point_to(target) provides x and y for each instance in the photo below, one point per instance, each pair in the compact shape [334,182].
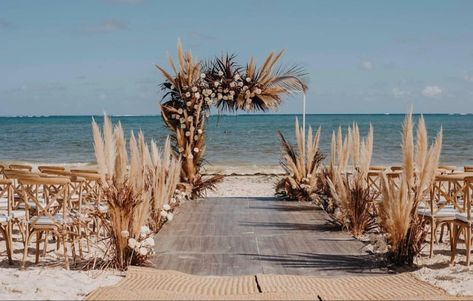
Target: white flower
[248,79]
[179,111]
[240,84]
[189,118]
[172,87]
[144,230]
[197,95]
[225,97]
[199,131]
[237,76]
[196,137]
[163,213]
[132,243]
[125,233]
[183,126]
[232,84]
[207,99]
[202,75]
[173,201]
[149,242]
[220,73]
[188,94]
[170,216]
[189,103]
[216,84]
[188,134]
[191,156]
[194,89]
[258,91]
[219,96]
[196,150]
[143,251]
[212,95]
[166,207]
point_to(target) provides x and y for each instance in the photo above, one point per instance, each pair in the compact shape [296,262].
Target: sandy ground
[50,281]
[47,280]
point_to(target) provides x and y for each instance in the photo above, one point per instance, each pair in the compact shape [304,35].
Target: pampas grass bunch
[301,163]
[350,190]
[405,229]
[135,186]
[193,87]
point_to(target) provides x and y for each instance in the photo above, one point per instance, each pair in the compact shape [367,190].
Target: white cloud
[468,78]
[399,93]
[107,26]
[432,91]
[367,65]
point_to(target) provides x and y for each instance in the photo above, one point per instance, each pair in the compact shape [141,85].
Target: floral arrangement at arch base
[193,87]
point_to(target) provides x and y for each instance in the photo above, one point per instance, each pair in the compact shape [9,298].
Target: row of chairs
[50,202]
[447,206]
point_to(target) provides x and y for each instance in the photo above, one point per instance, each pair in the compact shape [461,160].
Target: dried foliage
[135,187]
[193,87]
[350,190]
[398,210]
[302,164]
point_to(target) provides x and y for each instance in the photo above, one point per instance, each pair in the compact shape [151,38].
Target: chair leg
[432,237]
[63,239]
[39,234]
[6,235]
[25,251]
[45,247]
[468,244]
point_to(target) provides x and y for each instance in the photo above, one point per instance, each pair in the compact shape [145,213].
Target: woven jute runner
[152,284]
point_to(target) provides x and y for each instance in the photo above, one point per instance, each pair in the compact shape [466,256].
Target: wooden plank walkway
[248,236]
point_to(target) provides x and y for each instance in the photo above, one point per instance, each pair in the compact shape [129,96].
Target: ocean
[235,143]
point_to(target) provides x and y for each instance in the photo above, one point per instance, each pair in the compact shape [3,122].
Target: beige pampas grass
[301,164]
[135,186]
[398,210]
[350,191]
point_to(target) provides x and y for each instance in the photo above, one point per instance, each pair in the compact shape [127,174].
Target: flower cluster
[141,246]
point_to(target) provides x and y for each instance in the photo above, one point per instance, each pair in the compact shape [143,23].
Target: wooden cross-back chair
[464,221]
[52,212]
[6,195]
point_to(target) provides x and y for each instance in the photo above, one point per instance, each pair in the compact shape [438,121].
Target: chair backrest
[448,168]
[468,168]
[20,167]
[54,196]
[396,168]
[43,168]
[6,193]
[92,171]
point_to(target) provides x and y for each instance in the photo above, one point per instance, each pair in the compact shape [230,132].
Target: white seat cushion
[3,218]
[463,217]
[446,212]
[18,214]
[47,220]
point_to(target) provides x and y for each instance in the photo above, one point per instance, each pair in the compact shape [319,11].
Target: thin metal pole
[303,113]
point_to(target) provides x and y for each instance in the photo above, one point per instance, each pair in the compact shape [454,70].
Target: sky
[90,57]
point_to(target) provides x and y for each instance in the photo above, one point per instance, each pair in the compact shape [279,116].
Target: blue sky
[87,57]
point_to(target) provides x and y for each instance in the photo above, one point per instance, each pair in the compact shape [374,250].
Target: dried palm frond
[398,210]
[301,164]
[194,87]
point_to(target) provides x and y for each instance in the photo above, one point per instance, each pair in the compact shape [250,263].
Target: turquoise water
[241,140]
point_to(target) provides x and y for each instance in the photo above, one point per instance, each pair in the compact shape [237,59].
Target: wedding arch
[193,87]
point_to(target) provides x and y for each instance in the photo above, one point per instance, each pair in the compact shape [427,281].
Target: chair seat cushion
[48,220]
[3,218]
[18,214]
[446,212]
[463,217]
